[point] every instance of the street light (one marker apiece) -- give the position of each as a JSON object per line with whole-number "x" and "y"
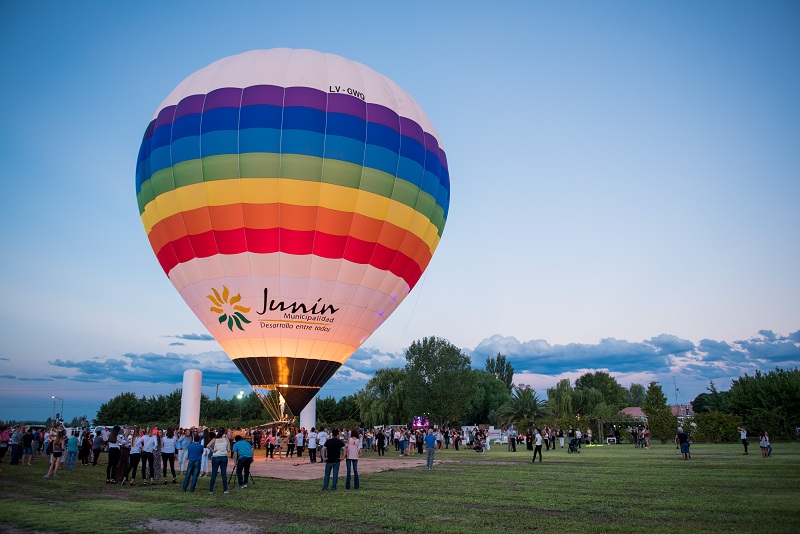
{"x": 239, "y": 396}
{"x": 54, "y": 407}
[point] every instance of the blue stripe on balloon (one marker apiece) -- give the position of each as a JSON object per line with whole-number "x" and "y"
{"x": 380, "y": 135}
{"x": 302, "y": 142}
{"x": 186, "y": 126}
{"x": 185, "y": 149}
{"x": 344, "y": 149}
{"x": 260, "y": 140}
{"x": 261, "y": 116}
{"x": 219, "y": 142}
{"x": 296, "y": 118}
{"x": 220, "y": 119}
{"x": 346, "y": 126}
{"x": 160, "y": 158}
{"x": 378, "y": 157}
{"x": 303, "y": 130}
{"x": 161, "y": 137}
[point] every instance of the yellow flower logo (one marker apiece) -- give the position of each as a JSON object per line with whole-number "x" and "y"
{"x": 235, "y": 313}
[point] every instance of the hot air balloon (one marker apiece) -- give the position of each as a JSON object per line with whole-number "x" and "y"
{"x": 294, "y": 199}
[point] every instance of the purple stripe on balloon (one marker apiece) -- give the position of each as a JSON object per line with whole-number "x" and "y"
{"x": 149, "y": 131}
{"x": 227, "y": 97}
{"x": 383, "y": 115}
{"x": 305, "y": 97}
{"x": 431, "y": 144}
{"x": 350, "y": 105}
{"x": 269, "y": 95}
{"x": 411, "y": 129}
{"x": 165, "y": 116}
{"x": 443, "y": 158}
{"x": 189, "y": 105}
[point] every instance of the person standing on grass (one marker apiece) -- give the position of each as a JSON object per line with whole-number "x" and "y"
{"x": 219, "y": 459}
{"x": 114, "y": 442}
{"x": 55, "y": 457}
{"x": 243, "y": 456}
{"x": 769, "y": 444}
{"x": 538, "y": 446}
{"x": 149, "y": 444}
{"x": 743, "y": 436}
{"x": 430, "y": 447}
{"x": 72, "y": 450}
{"x": 205, "y": 460}
{"x": 331, "y": 453}
{"x": 135, "y": 455}
{"x": 182, "y": 447}
{"x": 352, "y": 454}
{"x": 27, "y": 447}
{"x": 682, "y": 441}
{"x": 168, "y": 443}
{"x": 194, "y": 455}
{"x": 97, "y": 447}
{"x": 380, "y": 440}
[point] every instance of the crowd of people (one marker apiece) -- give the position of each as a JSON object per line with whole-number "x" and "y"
{"x": 206, "y": 452}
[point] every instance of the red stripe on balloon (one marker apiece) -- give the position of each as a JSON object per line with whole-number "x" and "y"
{"x": 295, "y": 242}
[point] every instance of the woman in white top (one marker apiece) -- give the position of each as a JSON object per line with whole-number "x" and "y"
{"x": 219, "y": 459}
{"x": 168, "y": 443}
{"x": 114, "y": 442}
{"x": 135, "y": 455}
{"x": 149, "y": 444}
{"x": 352, "y": 453}
{"x": 204, "y": 460}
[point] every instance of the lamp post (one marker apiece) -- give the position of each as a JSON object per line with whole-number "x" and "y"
{"x": 54, "y": 407}
{"x": 240, "y": 396}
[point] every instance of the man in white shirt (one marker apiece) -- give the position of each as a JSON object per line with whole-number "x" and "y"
{"x": 322, "y": 437}
{"x": 538, "y": 448}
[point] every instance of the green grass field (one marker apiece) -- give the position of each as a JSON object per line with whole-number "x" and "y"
{"x": 602, "y": 489}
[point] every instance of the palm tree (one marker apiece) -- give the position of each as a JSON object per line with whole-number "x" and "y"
{"x": 523, "y": 409}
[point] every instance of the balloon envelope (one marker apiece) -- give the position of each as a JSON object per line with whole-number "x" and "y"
{"x": 294, "y": 199}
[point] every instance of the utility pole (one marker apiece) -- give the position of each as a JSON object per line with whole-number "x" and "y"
{"x": 675, "y": 385}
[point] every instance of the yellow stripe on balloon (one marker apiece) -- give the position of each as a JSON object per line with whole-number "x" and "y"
{"x": 288, "y": 191}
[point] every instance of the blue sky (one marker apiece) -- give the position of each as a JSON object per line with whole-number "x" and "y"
{"x": 625, "y": 182}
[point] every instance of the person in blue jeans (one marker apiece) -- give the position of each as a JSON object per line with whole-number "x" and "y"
{"x": 195, "y": 456}
{"x": 243, "y": 453}
{"x": 352, "y": 453}
{"x": 430, "y": 447}
{"x": 332, "y": 454}
{"x": 219, "y": 459}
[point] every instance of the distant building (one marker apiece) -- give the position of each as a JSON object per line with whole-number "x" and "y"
{"x": 682, "y": 410}
{"x": 633, "y": 412}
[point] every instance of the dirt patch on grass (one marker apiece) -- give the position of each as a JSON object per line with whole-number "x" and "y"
{"x": 302, "y": 469}
{"x": 221, "y": 526}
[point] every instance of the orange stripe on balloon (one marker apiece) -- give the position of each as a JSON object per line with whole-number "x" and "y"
{"x": 295, "y": 218}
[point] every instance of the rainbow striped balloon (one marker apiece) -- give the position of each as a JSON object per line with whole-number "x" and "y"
{"x": 294, "y": 198}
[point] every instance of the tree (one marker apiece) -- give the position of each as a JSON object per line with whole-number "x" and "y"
{"x": 636, "y": 395}
{"x": 663, "y": 425}
{"x": 613, "y": 393}
{"x": 383, "y": 399}
{"x": 716, "y": 427}
{"x": 492, "y": 393}
{"x": 501, "y": 370}
{"x": 559, "y": 400}
{"x": 440, "y": 382}
{"x": 120, "y": 410}
{"x": 713, "y": 401}
{"x": 523, "y": 409}
{"x": 768, "y": 401}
